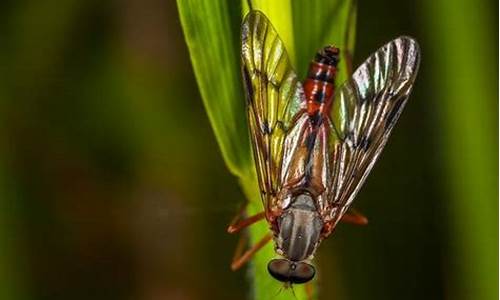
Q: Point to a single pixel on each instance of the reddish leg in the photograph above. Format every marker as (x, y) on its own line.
(354, 217)
(240, 259)
(238, 223)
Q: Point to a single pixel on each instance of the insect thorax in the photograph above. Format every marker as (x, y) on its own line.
(300, 228)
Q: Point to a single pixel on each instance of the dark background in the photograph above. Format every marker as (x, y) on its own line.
(113, 186)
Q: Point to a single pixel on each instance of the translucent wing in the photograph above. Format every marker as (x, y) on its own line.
(365, 110)
(275, 106)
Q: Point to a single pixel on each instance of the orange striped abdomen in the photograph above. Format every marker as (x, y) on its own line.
(318, 95)
(319, 86)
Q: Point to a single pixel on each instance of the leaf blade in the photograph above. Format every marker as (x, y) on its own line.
(213, 52)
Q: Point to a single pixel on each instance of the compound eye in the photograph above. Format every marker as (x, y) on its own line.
(301, 272)
(280, 269)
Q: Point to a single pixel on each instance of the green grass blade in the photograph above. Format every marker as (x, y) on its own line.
(463, 56)
(214, 54)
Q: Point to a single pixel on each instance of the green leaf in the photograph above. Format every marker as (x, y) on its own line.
(215, 57)
(212, 34)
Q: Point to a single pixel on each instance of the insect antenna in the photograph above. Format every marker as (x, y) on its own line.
(293, 292)
(279, 292)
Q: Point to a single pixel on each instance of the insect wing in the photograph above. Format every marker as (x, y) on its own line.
(365, 110)
(276, 105)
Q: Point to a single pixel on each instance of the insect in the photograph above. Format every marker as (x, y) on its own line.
(314, 144)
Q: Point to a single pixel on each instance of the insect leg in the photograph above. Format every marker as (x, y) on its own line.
(240, 259)
(354, 217)
(238, 224)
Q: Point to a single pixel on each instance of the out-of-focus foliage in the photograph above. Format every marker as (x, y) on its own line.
(463, 48)
(114, 187)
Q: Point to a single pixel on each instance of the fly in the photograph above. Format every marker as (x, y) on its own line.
(314, 144)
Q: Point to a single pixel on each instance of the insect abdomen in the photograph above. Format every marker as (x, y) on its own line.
(318, 94)
(320, 83)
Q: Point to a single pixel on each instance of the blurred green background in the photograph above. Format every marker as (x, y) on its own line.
(112, 185)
